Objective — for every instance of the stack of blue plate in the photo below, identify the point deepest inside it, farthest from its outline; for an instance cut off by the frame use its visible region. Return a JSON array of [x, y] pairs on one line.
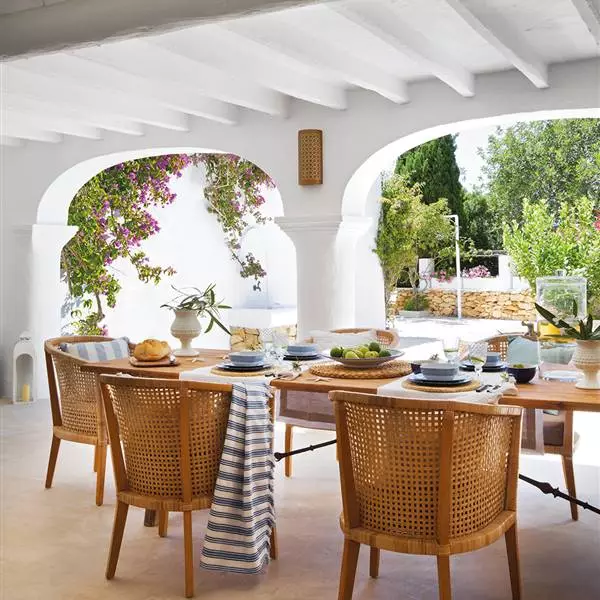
[[299, 352], [245, 361], [439, 375]]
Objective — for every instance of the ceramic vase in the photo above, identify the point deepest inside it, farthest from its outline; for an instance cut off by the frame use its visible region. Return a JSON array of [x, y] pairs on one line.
[[185, 328], [587, 359]]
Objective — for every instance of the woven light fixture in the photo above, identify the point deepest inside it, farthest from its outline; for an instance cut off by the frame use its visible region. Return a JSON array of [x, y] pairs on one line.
[[310, 157]]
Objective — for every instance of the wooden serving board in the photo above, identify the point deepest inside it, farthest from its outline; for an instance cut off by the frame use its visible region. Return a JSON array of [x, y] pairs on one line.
[[163, 362]]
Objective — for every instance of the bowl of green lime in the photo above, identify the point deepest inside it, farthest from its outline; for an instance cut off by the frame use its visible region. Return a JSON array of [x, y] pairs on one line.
[[365, 356]]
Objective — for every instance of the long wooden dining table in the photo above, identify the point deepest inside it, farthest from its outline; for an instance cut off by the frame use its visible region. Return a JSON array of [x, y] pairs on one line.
[[538, 394]]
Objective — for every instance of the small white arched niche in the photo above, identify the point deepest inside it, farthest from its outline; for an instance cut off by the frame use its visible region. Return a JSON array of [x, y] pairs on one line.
[[24, 370]]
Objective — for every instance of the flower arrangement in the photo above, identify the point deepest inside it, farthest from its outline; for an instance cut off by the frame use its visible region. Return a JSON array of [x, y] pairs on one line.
[[475, 272]]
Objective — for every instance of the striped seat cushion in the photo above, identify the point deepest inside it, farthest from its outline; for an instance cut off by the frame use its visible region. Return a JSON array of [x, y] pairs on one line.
[[99, 351]]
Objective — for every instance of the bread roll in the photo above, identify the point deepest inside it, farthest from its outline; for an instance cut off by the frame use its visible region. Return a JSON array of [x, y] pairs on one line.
[[150, 350]]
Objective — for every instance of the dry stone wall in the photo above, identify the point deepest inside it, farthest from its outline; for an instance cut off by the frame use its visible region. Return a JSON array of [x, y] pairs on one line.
[[248, 338], [517, 305]]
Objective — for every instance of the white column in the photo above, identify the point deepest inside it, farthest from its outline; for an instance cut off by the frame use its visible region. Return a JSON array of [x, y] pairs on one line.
[[362, 303], [315, 238], [47, 291]]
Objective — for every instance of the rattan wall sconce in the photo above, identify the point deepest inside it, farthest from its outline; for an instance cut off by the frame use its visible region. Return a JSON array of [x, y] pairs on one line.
[[310, 157]]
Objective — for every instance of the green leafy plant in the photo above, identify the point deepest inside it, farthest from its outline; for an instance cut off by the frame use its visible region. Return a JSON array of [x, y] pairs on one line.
[[582, 330], [234, 192], [416, 302], [548, 240], [408, 229], [203, 303]]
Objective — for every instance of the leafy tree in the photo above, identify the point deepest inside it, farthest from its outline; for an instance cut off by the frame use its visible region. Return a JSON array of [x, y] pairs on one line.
[[554, 160], [433, 166], [547, 240], [409, 229], [481, 223]]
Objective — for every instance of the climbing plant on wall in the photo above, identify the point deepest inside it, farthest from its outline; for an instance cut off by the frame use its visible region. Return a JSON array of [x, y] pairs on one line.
[[234, 188], [113, 214]]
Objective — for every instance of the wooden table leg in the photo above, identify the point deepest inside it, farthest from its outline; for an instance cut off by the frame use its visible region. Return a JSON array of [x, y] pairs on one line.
[[149, 518]]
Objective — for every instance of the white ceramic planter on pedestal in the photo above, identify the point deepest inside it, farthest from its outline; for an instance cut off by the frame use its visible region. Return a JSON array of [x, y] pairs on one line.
[[587, 359], [185, 328]]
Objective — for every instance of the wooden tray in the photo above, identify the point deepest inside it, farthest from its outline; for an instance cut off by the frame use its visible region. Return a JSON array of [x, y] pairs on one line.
[[163, 362], [389, 370]]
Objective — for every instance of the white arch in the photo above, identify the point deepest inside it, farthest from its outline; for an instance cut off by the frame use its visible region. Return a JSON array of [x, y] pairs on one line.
[[54, 205], [357, 188]]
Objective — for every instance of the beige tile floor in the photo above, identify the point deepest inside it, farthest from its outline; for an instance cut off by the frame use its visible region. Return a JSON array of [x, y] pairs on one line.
[[54, 542]]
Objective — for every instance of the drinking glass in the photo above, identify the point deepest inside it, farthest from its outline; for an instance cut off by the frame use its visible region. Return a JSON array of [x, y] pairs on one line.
[[478, 355], [451, 349]]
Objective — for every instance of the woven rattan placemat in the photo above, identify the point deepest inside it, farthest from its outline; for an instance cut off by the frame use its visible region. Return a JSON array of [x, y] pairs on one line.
[[467, 387], [226, 373], [396, 368]]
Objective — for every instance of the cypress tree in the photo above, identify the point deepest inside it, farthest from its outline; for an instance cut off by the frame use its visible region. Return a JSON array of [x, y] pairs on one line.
[[433, 166]]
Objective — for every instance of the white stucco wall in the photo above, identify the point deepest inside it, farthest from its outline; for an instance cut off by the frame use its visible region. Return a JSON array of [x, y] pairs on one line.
[[191, 241], [358, 142]]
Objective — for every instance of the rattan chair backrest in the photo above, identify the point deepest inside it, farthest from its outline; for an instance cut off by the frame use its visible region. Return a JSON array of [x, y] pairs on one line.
[[425, 469], [499, 343], [79, 397], [172, 434]]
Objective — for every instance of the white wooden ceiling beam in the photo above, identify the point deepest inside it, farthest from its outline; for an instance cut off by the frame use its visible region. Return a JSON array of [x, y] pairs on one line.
[[55, 27], [285, 35], [146, 59], [82, 115], [5, 140], [412, 45], [58, 124], [222, 48], [78, 70], [22, 81], [590, 15], [497, 34], [14, 128]]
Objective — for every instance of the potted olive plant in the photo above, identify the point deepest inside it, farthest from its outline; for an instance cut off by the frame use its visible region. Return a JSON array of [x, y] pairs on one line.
[[587, 355], [189, 308]]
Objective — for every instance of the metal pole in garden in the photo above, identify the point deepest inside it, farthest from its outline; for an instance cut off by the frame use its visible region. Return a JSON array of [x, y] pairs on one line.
[[458, 271]]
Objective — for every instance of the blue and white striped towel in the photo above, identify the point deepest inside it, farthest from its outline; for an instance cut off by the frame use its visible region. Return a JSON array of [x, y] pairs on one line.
[[238, 537]]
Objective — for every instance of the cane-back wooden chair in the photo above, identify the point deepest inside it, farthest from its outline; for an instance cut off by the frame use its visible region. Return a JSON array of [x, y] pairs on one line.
[[426, 477], [557, 429], [76, 404], [386, 337], [166, 440]]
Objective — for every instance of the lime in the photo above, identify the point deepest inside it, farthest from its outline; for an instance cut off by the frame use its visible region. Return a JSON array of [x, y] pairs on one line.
[[372, 354], [374, 347], [336, 352], [385, 353], [351, 354], [363, 348], [360, 353]]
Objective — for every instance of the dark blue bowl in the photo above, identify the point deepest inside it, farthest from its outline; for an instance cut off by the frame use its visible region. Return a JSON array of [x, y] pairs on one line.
[[416, 368], [523, 374]]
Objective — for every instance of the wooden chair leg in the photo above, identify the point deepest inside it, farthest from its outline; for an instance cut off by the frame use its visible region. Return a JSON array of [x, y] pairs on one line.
[[443, 568], [100, 473], [348, 572], [512, 550], [117, 538], [189, 553], [374, 562], [288, 448], [567, 463], [52, 460], [163, 522], [95, 459], [274, 550]]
